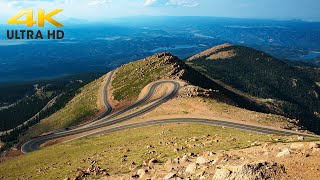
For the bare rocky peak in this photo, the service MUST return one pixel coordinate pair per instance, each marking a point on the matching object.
(210, 51)
(163, 54)
(167, 57)
(222, 55)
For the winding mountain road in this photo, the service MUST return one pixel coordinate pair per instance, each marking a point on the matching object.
(102, 123)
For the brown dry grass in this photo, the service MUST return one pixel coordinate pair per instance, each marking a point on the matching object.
(222, 55)
(199, 107)
(209, 51)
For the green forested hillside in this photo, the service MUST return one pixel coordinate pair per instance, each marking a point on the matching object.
(293, 90)
(64, 89)
(31, 97)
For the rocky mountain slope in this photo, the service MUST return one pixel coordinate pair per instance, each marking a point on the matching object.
(131, 78)
(226, 82)
(162, 150)
(263, 161)
(278, 86)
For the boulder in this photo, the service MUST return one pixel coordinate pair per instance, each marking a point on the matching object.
(169, 176)
(283, 153)
(150, 146)
(152, 162)
(201, 160)
(168, 165)
(184, 158)
(190, 154)
(80, 174)
(251, 171)
(300, 138)
(256, 143)
(297, 146)
(221, 174)
(176, 150)
(146, 162)
(89, 169)
(191, 168)
(314, 145)
(141, 171)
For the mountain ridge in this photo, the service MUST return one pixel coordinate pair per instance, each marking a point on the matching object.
(201, 98)
(260, 75)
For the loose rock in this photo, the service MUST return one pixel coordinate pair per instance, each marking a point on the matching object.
(259, 170)
(191, 169)
(201, 160)
(284, 153)
(169, 176)
(297, 146)
(314, 145)
(300, 138)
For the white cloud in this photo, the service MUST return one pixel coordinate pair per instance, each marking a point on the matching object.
(99, 2)
(80, 9)
(182, 3)
(150, 2)
(14, 4)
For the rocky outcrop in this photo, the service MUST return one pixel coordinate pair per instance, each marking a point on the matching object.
(274, 161)
(252, 171)
(93, 170)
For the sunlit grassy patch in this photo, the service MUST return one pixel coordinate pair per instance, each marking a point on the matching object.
(133, 77)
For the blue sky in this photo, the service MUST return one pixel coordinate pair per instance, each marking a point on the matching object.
(104, 9)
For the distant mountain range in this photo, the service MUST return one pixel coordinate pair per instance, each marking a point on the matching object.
(101, 47)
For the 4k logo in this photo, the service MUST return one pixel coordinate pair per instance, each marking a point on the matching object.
(26, 17)
(29, 19)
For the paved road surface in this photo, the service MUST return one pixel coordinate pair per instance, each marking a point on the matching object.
(101, 124)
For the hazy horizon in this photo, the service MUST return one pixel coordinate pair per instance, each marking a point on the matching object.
(97, 10)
